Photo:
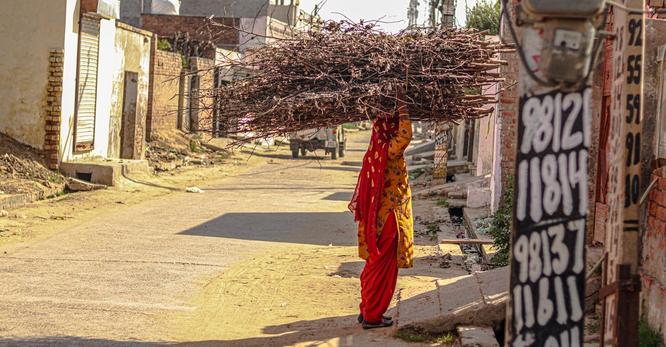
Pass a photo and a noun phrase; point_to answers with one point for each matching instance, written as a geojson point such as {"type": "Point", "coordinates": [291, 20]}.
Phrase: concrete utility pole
{"type": "Point", "coordinates": [413, 14]}
{"type": "Point", "coordinates": [621, 279]}
{"type": "Point", "coordinates": [433, 9]}
{"type": "Point", "coordinates": [547, 290]}
{"type": "Point", "coordinates": [442, 131]}
{"type": "Point", "coordinates": [448, 11]}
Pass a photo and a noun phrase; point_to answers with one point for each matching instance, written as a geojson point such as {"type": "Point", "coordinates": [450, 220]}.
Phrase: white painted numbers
{"type": "Point", "coordinates": [548, 250]}
{"type": "Point", "coordinates": [553, 156]}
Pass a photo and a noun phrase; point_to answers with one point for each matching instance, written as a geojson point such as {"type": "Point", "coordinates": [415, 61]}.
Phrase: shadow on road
{"type": "Point", "coordinates": [339, 196]}
{"type": "Point", "coordinates": [291, 333]}
{"type": "Point", "coordinates": [337, 168]}
{"type": "Point", "coordinates": [316, 228]}
{"type": "Point", "coordinates": [284, 156]}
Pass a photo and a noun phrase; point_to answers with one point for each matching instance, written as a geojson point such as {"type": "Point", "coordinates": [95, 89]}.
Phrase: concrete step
{"type": "Point", "coordinates": [108, 172]}
{"type": "Point", "coordinates": [458, 194]}
{"type": "Point", "coordinates": [459, 203]}
{"type": "Point", "coordinates": [446, 188]}
{"type": "Point", "coordinates": [478, 300]}
{"type": "Point", "coordinates": [472, 336]}
{"type": "Point", "coordinates": [425, 155]}
{"type": "Point", "coordinates": [422, 148]}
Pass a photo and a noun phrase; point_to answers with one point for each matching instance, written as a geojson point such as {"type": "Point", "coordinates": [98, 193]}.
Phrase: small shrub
{"type": "Point", "coordinates": [500, 228]}
{"type": "Point", "coordinates": [648, 337]}
{"type": "Point", "coordinates": [443, 202]}
{"type": "Point", "coordinates": [415, 336]}
{"type": "Point", "coordinates": [164, 45]}
{"type": "Point", "coordinates": [416, 174]}
{"type": "Point", "coordinates": [432, 230]}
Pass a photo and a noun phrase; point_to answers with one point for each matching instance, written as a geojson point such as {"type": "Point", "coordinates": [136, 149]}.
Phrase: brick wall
{"type": "Point", "coordinates": [508, 110]}
{"type": "Point", "coordinates": [199, 28]}
{"type": "Point", "coordinates": [202, 101]}
{"type": "Point", "coordinates": [53, 108]}
{"type": "Point", "coordinates": [164, 93]}
{"type": "Point", "coordinates": [653, 272]}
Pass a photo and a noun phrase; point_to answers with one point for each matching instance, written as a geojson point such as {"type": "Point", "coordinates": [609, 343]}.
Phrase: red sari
{"type": "Point", "coordinates": [380, 274]}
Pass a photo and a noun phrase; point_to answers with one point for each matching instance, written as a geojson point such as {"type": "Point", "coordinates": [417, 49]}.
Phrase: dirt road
{"type": "Point", "coordinates": [266, 257]}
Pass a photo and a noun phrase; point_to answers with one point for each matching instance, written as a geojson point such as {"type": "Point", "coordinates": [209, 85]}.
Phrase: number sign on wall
{"type": "Point", "coordinates": [551, 202]}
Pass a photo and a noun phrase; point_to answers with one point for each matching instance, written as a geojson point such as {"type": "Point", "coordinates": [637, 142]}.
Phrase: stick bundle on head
{"type": "Point", "coordinates": [352, 72]}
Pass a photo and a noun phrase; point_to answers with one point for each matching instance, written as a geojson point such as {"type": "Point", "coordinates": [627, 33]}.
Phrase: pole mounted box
{"type": "Point", "coordinates": [564, 8]}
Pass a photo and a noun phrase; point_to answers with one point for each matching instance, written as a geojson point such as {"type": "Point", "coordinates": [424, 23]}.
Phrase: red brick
{"type": "Point", "coordinates": [661, 184]}
{"type": "Point", "coordinates": [652, 209]}
{"type": "Point", "coordinates": [661, 213]}
{"type": "Point", "coordinates": [660, 198]}
{"type": "Point", "coordinates": [226, 34]}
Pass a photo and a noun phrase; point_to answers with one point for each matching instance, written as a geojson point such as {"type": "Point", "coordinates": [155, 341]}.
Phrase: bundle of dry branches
{"type": "Point", "coordinates": [351, 72]}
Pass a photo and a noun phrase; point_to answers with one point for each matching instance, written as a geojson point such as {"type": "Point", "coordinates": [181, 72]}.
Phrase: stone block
{"type": "Point", "coordinates": [472, 336]}
{"type": "Point", "coordinates": [478, 197]}
{"type": "Point", "coordinates": [76, 185]}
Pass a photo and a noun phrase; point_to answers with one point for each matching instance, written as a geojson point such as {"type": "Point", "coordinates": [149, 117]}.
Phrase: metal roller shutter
{"type": "Point", "coordinates": [87, 83]}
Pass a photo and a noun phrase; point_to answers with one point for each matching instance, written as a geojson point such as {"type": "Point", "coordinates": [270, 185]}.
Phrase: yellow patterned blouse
{"type": "Point", "coordinates": [397, 198]}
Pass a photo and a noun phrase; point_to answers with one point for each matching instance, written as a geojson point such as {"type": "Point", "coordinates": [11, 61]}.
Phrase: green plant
{"type": "Point", "coordinates": [164, 45]}
{"type": "Point", "coordinates": [443, 202]}
{"type": "Point", "coordinates": [500, 228]}
{"type": "Point", "coordinates": [432, 229]}
{"type": "Point", "coordinates": [485, 15]}
{"type": "Point", "coordinates": [415, 336]}
{"type": "Point", "coordinates": [184, 61]}
{"type": "Point", "coordinates": [648, 337]}
{"type": "Point", "coordinates": [416, 174]}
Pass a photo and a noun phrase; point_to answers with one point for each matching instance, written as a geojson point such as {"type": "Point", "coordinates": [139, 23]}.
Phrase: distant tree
{"type": "Point", "coordinates": [485, 15]}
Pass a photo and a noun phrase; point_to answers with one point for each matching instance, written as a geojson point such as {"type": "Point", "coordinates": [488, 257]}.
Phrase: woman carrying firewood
{"type": "Point", "coordinates": [382, 206]}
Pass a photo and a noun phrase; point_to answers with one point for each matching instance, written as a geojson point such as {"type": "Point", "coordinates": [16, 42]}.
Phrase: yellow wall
{"type": "Point", "coordinates": [29, 29]}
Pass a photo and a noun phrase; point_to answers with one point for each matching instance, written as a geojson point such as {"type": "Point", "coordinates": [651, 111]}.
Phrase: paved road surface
{"type": "Point", "coordinates": [263, 258]}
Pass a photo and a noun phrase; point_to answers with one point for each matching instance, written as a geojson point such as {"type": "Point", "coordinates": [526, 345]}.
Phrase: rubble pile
{"type": "Point", "coordinates": [22, 171]}
{"type": "Point", "coordinates": [352, 72]}
{"type": "Point", "coordinates": [170, 151]}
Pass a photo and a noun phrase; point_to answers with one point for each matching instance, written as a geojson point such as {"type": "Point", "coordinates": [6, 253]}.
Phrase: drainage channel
{"type": "Point", "coordinates": [473, 259]}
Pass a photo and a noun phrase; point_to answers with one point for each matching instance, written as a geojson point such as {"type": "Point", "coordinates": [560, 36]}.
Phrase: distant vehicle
{"type": "Point", "coordinates": [331, 140]}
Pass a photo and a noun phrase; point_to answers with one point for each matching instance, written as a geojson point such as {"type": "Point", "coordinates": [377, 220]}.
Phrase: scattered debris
{"type": "Point", "coordinates": [23, 170]}
{"type": "Point", "coordinates": [194, 190]}
{"type": "Point", "coordinates": [171, 150]}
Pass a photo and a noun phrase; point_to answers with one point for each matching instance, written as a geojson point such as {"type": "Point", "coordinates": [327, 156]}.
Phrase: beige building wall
{"type": "Point", "coordinates": [26, 37]}
{"type": "Point", "coordinates": [132, 54]}
{"type": "Point", "coordinates": [69, 81]}
{"type": "Point", "coordinates": [121, 48]}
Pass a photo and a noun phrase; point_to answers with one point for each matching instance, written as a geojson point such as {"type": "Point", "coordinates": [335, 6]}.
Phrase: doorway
{"type": "Point", "coordinates": [128, 132]}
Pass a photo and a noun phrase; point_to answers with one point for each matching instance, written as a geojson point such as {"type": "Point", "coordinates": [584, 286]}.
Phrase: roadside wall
{"type": "Point", "coordinates": [504, 160]}
{"type": "Point", "coordinates": [653, 271]}
{"type": "Point", "coordinates": [201, 99]}
{"type": "Point", "coordinates": [653, 267]}
{"type": "Point", "coordinates": [164, 93]}
{"type": "Point", "coordinates": [25, 65]}
{"type": "Point", "coordinates": [486, 137]}
{"type": "Point", "coordinates": [132, 54]}
{"type": "Point", "coordinates": [70, 65]}
{"type": "Point", "coordinates": [224, 8]}
{"type": "Point", "coordinates": [224, 34]}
